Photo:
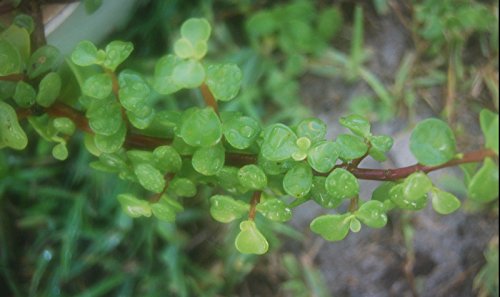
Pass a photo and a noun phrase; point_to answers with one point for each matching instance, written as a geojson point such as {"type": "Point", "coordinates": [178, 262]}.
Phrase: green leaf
{"type": "Point", "coordinates": [163, 209]}
{"type": "Point", "coordinates": [432, 142]}
{"type": "Point", "coordinates": [163, 77]}
{"type": "Point", "coordinates": [98, 86]}
{"type": "Point", "coordinates": [357, 124]}
{"type": "Point", "coordinates": [183, 48]}
{"type": "Point", "coordinates": [24, 95]}
{"type": "Point", "coordinates": [312, 128]}
{"type": "Point", "coordinates": [416, 185]}
{"type": "Point", "coordinates": [372, 214]}
{"type": "Point", "coordinates": [329, 22]}
{"type": "Point", "coordinates": [10, 59]}
{"type": "Point", "coordinates": [60, 152]}
{"type": "Point", "coordinates": [196, 30]}
{"type": "Point", "coordinates": [18, 36]}
{"type": "Point", "coordinates": [92, 6]}
{"type": "Point", "coordinates": [225, 209]}
{"type": "Point", "coordinates": [224, 81]}
{"type": "Point", "coordinates": [261, 23]}
{"type": "Point", "coordinates": [489, 126]}
{"type": "Point", "coordinates": [250, 240]}
{"type": "Point", "coordinates": [117, 52]}
{"type": "Point", "coordinates": [86, 54]}
{"type": "Point", "coordinates": [252, 177]}
{"type": "Point", "coordinates": [279, 143]}
{"type": "Point", "coordinates": [182, 187]}
{"type": "Point", "coordinates": [48, 89]}
{"type": "Point", "coordinates": [355, 225]}
{"type": "Point", "coordinates": [323, 156]}
{"type": "Point", "coordinates": [351, 147]}
{"type": "Point", "coordinates": [105, 117]}
{"type": "Point", "coordinates": [380, 145]}
{"type": "Point", "coordinates": [209, 160]}
{"type": "Point", "coordinates": [134, 207]}
{"type": "Point", "coordinates": [240, 131]}
{"type": "Point", "coordinates": [167, 159]}
{"type": "Point", "coordinates": [134, 92]}
{"type": "Point", "coordinates": [484, 185]}
{"type": "Point", "coordinates": [111, 143]}
{"type": "Point", "coordinates": [188, 74]}
{"type": "Point", "coordinates": [275, 210]}
{"type": "Point", "coordinates": [143, 120]}
{"type": "Point", "coordinates": [150, 178]}
{"type": "Point", "coordinates": [321, 195]}
{"type": "Point", "coordinates": [201, 127]}
{"type": "Point", "coordinates": [64, 125]}
{"type": "Point", "coordinates": [11, 133]}
{"type": "Point", "coordinates": [274, 167]}
{"type": "Point", "coordinates": [332, 227]}
{"type": "Point", "coordinates": [138, 157]}
{"type": "Point", "coordinates": [341, 184]}
{"type": "Point", "coordinates": [397, 195]}
{"type": "Point", "coordinates": [227, 178]}
{"type": "Point", "coordinates": [443, 202]}
{"type": "Point", "coordinates": [44, 59]}
{"type": "Point", "coordinates": [298, 180]}
{"type": "Point", "coordinates": [381, 193]}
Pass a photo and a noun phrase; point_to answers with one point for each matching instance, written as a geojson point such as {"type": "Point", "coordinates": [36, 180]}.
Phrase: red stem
{"type": "Point", "coordinates": [209, 98]}
{"type": "Point", "coordinates": [253, 205]}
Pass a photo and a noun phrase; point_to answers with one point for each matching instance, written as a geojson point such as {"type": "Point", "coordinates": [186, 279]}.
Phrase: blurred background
{"type": "Point", "coordinates": [62, 232]}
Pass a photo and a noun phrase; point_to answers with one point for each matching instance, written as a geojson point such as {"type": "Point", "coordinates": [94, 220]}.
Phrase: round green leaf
{"type": "Point", "coordinates": [372, 214]}
{"type": "Point", "coordinates": [44, 59]}
{"type": "Point", "coordinates": [279, 143]}
{"type": "Point", "coordinates": [49, 89]}
{"type": "Point", "coordinates": [11, 133]}
{"type": "Point", "coordinates": [252, 177]}
{"type": "Point", "coordinates": [275, 210]}
{"type": "Point", "coordinates": [18, 36]}
{"type": "Point", "coordinates": [133, 92]}
{"type": "Point", "coordinates": [355, 225]}
{"type": "Point", "coordinates": [111, 143]}
{"type": "Point", "coordinates": [323, 156]}
{"type": "Point", "coordinates": [332, 227]}
{"type": "Point", "coordinates": [105, 118]}
{"type": "Point", "coordinates": [484, 184]}
{"type": "Point", "coordinates": [201, 127]}
{"type": "Point", "coordinates": [321, 195]}
{"type": "Point", "coordinates": [86, 54]}
{"type": "Point", "coordinates": [98, 86]}
{"type": "Point", "coordinates": [64, 125]}
{"type": "Point", "coordinates": [24, 95]}
{"type": "Point", "coordinates": [182, 187]}
{"type": "Point", "coordinates": [380, 145]}
{"type": "Point", "coordinates": [225, 209]}
{"type": "Point", "coordinates": [357, 124]}
{"type": "Point", "coordinates": [163, 210]}
{"type": "Point", "coordinates": [150, 178]}
{"type": "Point", "coordinates": [432, 142]}
{"type": "Point", "coordinates": [209, 160]}
{"type": "Point", "coordinates": [10, 59]}
{"type": "Point", "coordinates": [351, 147]}
{"type": "Point", "coordinates": [489, 126]}
{"type": "Point", "coordinates": [397, 195]}
{"type": "Point", "coordinates": [188, 74]}
{"type": "Point", "coordinates": [167, 159]}
{"type": "Point", "coordinates": [416, 185]}
{"type": "Point", "coordinates": [240, 132]}
{"type": "Point", "coordinates": [60, 152]}
{"type": "Point", "coordinates": [134, 207]}
{"type": "Point", "coordinates": [183, 48]}
{"type": "Point", "coordinates": [250, 240]}
{"type": "Point", "coordinates": [196, 30]}
{"type": "Point", "coordinates": [224, 81]}
{"type": "Point", "coordinates": [227, 179]}
{"type": "Point", "coordinates": [443, 202]}
{"type": "Point", "coordinates": [117, 52]}
{"type": "Point", "coordinates": [298, 180]}
{"type": "Point", "coordinates": [312, 128]}
{"type": "Point", "coordinates": [341, 184]}
{"type": "Point", "coordinates": [381, 193]}
{"type": "Point", "coordinates": [163, 77]}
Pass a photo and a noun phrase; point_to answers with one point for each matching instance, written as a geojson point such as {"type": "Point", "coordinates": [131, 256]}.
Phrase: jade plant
{"type": "Point", "coordinates": [251, 170]}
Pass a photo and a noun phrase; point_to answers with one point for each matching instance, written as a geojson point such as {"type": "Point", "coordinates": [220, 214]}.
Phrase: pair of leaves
{"type": "Point", "coordinates": [115, 53]}
{"type": "Point", "coordinates": [165, 209]}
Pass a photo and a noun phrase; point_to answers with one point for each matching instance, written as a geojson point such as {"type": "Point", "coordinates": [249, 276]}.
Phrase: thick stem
{"type": "Point", "coordinates": [209, 98]}
{"type": "Point", "coordinates": [253, 205]}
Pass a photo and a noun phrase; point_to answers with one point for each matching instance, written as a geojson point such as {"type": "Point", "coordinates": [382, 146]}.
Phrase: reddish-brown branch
{"type": "Point", "coordinates": [253, 205]}
{"type": "Point", "coordinates": [240, 159]}
{"type": "Point", "coordinates": [168, 178]}
{"type": "Point", "coordinates": [12, 77]}
{"type": "Point", "coordinates": [209, 97]}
